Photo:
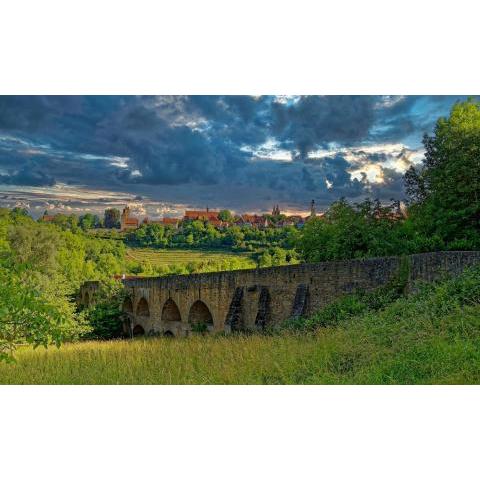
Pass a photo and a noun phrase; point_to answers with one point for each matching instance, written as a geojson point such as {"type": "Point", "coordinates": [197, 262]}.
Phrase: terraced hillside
{"type": "Point", "coordinates": [167, 257]}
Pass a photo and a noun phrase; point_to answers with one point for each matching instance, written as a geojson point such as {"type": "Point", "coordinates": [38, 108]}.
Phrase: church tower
{"type": "Point", "coordinates": [124, 218]}
{"type": "Point", "coordinates": [313, 212]}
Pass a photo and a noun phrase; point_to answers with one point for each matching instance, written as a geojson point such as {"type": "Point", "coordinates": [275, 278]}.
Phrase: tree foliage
{"type": "Point", "coordinates": [354, 231]}
{"type": "Point", "coordinates": [444, 192]}
{"type": "Point", "coordinates": [105, 317]}
{"type": "Point", "coordinates": [112, 218]}
{"type": "Point", "coordinates": [41, 268]}
{"type": "Point", "coordinates": [200, 234]}
{"type": "Point", "coordinates": [225, 215]}
{"type": "Point", "coordinates": [443, 202]}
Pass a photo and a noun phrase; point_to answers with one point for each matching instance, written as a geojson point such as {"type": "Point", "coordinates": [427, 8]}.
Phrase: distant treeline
{"type": "Point", "coordinates": [199, 234]}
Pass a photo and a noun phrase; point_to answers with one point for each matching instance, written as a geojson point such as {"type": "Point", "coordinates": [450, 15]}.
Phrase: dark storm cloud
{"type": "Point", "coordinates": [315, 121]}
{"type": "Point", "coordinates": [325, 179]}
{"type": "Point", "coordinates": [28, 176]}
{"type": "Point", "coordinates": [392, 187]}
{"type": "Point", "coordinates": [158, 144]}
{"type": "Point", "coordinates": [159, 152]}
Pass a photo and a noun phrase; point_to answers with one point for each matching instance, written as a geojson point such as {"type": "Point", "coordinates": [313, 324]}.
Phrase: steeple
{"type": "Point", "coordinates": [313, 213]}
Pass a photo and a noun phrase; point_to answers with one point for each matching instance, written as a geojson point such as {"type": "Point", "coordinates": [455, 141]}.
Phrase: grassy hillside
{"type": "Point", "coordinates": [432, 337]}
{"type": "Point", "coordinates": [167, 257]}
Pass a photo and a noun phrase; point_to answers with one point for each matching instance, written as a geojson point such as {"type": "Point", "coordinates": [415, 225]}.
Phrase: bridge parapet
{"type": "Point", "coordinates": [256, 298]}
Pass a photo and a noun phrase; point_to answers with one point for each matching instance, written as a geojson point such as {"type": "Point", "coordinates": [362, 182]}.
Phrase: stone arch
{"type": "Point", "coordinates": [143, 309]}
{"type": "Point", "coordinates": [200, 314]}
{"type": "Point", "coordinates": [168, 334]}
{"type": "Point", "coordinates": [138, 330]}
{"type": "Point", "coordinates": [86, 299]}
{"type": "Point", "coordinates": [127, 306]}
{"type": "Point", "coordinates": [170, 312]}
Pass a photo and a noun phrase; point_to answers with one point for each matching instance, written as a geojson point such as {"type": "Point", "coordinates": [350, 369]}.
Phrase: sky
{"type": "Point", "coordinates": [164, 154]}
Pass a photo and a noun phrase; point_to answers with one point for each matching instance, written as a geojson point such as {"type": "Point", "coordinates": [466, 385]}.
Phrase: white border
{"type": "Point", "coordinates": [239, 432]}
{"type": "Point", "coordinates": [248, 47]}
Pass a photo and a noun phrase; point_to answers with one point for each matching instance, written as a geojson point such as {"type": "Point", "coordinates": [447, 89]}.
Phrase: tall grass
{"type": "Point", "coordinates": [431, 337]}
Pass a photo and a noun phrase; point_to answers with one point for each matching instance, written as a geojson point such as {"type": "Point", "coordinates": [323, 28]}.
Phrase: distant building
{"type": "Point", "coordinates": [47, 218]}
{"type": "Point", "coordinates": [126, 221]}
{"type": "Point", "coordinates": [257, 221]}
{"type": "Point", "coordinates": [147, 221]}
{"type": "Point", "coordinates": [204, 215]}
{"type": "Point", "coordinates": [276, 211]}
{"type": "Point", "coordinates": [170, 221]}
{"type": "Point", "coordinates": [313, 212]}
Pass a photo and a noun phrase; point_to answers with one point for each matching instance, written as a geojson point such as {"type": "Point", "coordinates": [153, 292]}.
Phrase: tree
{"type": "Point", "coordinates": [444, 192]}
{"type": "Point", "coordinates": [41, 268]}
{"type": "Point", "coordinates": [35, 305]}
{"type": "Point", "coordinates": [112, 218]}
{"type": "Point", "coordinates": [66, 222]}
{"type": "Point", "coordinates": [88, 221]}
{"type": "Point", "coordinates": [105, 316]}
{"type": "Point", "coordinates": [19, 212]}
{"type": "Point", "coordinates": [29, 314]}
{"type": "Point", "coordinates": [225, 215]}
{"type": "Point", "coordinates": [354, 231]}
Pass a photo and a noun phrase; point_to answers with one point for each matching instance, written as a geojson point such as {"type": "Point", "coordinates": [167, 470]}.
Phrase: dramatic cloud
{"type": "Point", "coordinates": [241, 152]}
{"type": "Point", "coordinates": [314, 121]}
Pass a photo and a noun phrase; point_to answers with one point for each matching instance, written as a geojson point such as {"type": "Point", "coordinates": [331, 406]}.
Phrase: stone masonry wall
{"type": "Point", "coordinates": [251, 299]}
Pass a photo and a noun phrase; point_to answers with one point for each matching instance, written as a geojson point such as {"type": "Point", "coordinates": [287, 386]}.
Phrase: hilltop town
{"type": "Point", "coordinates": [221, 219]}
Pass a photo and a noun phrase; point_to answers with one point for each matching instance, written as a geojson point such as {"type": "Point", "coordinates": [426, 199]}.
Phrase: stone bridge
{"type": "Point", "coordinates": [255, 299]}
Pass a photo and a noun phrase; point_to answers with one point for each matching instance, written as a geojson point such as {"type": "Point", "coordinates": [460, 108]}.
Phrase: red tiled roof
{"type": "Point", "coordinates": [253, 219]}
{"type": "Point", "coordinates": [201, 215]}
{"type": "Point", "coordinates": [147, 221]}
{"type": "Point", "coordinates": [48, 218]}
{"type": "Point", "coordinates": [170, 221]}
{"type": "Point", "coordinates": [250, 218]}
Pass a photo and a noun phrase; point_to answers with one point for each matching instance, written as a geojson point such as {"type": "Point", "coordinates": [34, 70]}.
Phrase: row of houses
{"type": "Point", "coordinates": [276, 219]}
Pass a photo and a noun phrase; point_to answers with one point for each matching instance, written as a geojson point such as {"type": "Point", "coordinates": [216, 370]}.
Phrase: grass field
{"type": "Point", "coordinates": [169, 257]}
{"type": "Point", "coordinates": [432, 337]}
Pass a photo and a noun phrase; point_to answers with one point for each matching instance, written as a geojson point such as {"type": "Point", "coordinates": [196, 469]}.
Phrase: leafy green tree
{"type": "Point", "coordinates": [354, 231]}
{"type": "Point", "coordinates": [225, 215]}
{"type": "Point", "coordinates": [89, 221]}
{"type": "Point", "coordinates": [444, 192]}
{"type": "Point", "coordinates": [41, 268]}
{"type": "Point", "coordinates": [105, 317]}
{"type": "Point", "coordinates": [19, 212]}
{"type": "Point", "coordinates": [276, 256]}
{"type": "Point", "coordinates": [112, 218]}
{"type": "Point", "coordinates": [30, 314]}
